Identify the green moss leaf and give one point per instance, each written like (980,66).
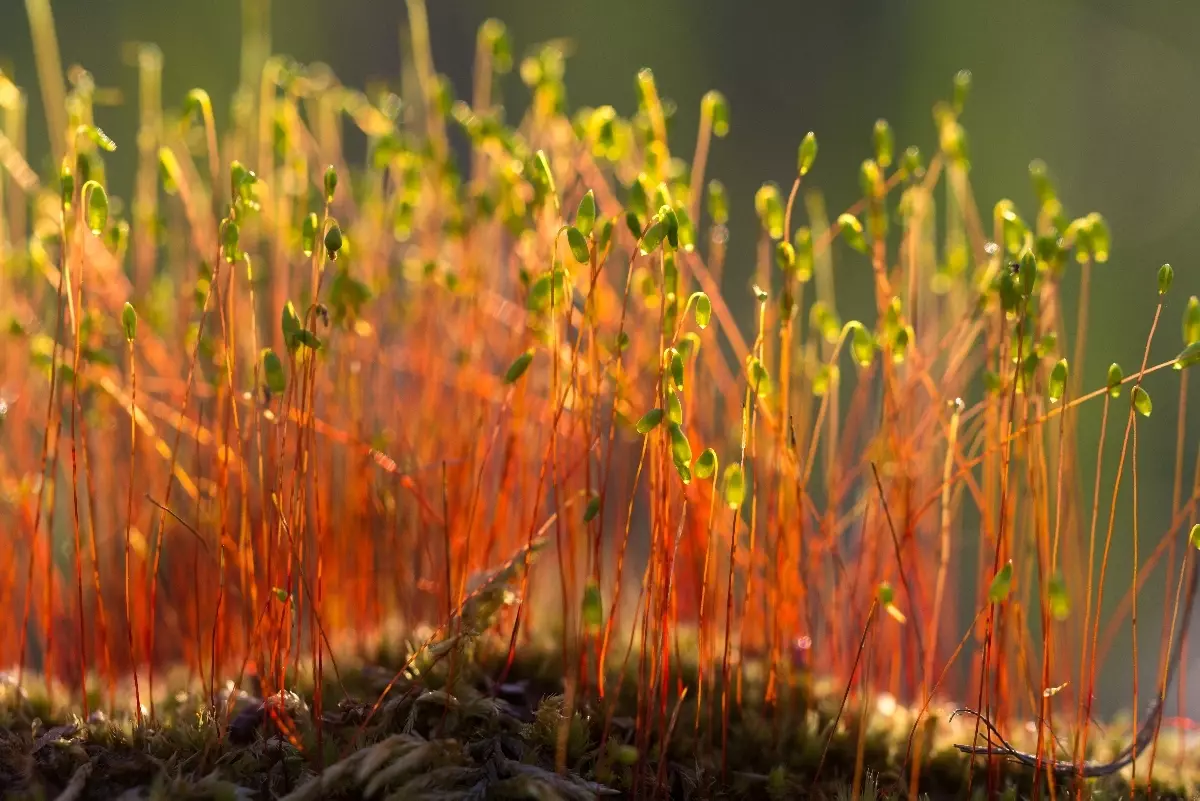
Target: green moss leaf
(1189,357)
(886,594)
(1058,381)
(718,203)
(675,367)
(735,486)
(290,325)
(1191,321)
(1060,604)
(806,154)
(330,183)
(1141,402)
(803,244)
(769,205)
(681,452)
(273,374)
(518,367)
(757,375)
(585,215)
(674,408)
(862,345)
(703,309)
(1099,237)
(333,241)
(715,107)
(1001,584)
(593,508)
(579,245)
(308,234)
(229,240)
(97,207)
(649,421)
(885,143)
(545,176)
(308,339)
(593,607)
(653,237)
(852,231)
(1166,276)
(1115,377)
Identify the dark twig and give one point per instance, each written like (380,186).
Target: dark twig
(184,523)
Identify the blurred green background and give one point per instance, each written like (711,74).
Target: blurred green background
(1103,91)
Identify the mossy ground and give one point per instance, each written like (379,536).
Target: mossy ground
(453,731)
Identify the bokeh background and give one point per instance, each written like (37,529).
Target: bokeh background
(1103,91)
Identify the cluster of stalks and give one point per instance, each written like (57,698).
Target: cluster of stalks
(283,401)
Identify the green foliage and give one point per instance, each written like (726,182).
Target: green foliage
(1141,401)
(578,245)
(273,374)
(1001,584)
(585,216)
(649,421)
(593,607)
(681,452)
(785,256)
(675,367)
(129,321)
(862,344)
(96,203)
(330,183)
(885,143)
(885,594)
(1166,276)
(518,367)
(702,308)
(714,106)
(653,236)
(308,234)
(1115,377)
(230,234)
(290,325)
(718,203)
(735,486)
(333,241)
(1058,381)
(593,508)
(1060,606)
(1189,357)
(852,232)
(544,177)
(1191,321)
(706,464)
(962,86)
(807,154)
(769,205)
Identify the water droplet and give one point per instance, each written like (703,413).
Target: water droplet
(991,248)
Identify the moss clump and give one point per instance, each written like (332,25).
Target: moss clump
(456,731)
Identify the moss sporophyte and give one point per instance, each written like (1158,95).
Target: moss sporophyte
(443,469)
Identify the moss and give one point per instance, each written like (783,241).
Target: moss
(438,736)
